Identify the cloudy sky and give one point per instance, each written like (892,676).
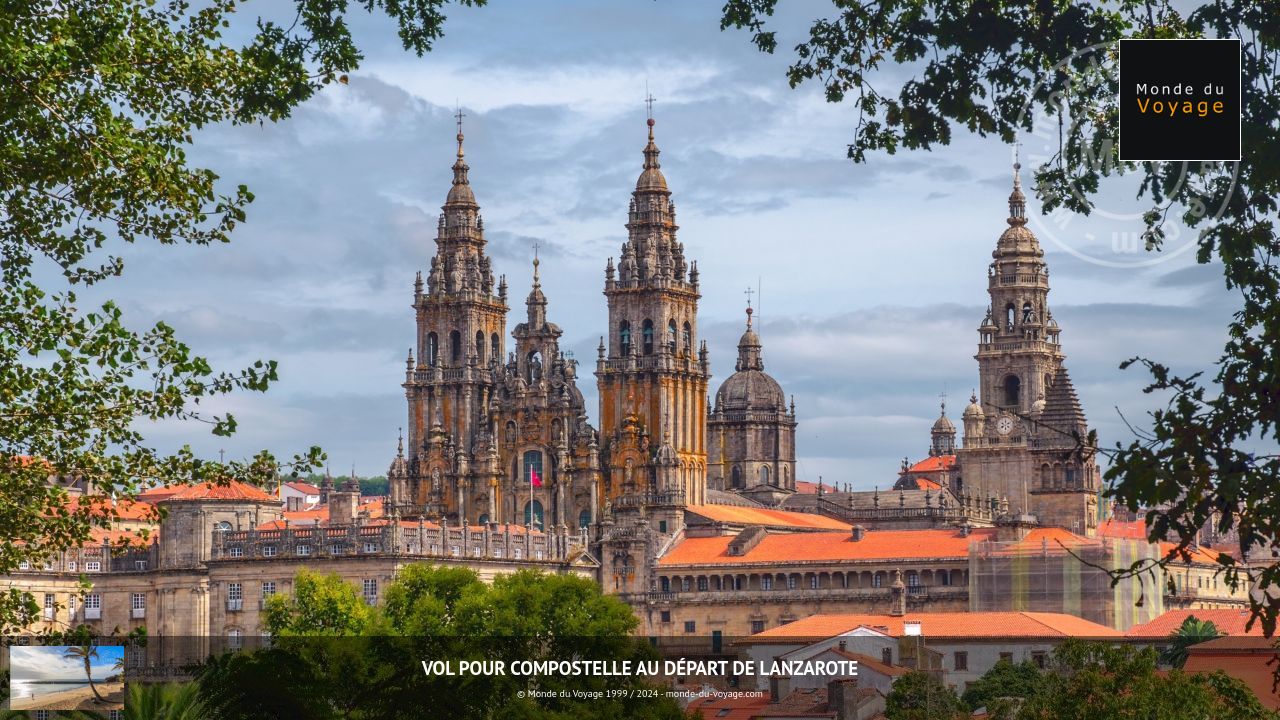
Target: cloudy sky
(48,663)
(873,276)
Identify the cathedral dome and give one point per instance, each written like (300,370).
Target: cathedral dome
(750,388)
(460,193)
(943,424)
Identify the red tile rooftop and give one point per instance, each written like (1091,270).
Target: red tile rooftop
(958,625)
(1230,621)
(934,464)
(234,490)
(737,515)
(828,546)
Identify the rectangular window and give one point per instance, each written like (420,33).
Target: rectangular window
(115,715)
(24,565)
(497,552)
(335,549)
(962,661)
(71,566)
(236,552)
(766,582)
(268,551)
(666,616)
(1006,656)
(702,584)
(690,626)
(813,582)
(1038,658)
(517,553)
(268,588)
(304,550)
(757,626)
(235,597)
(139,564)
(886,656)
(138,605)
(476,551)
(93,566)
(371,547)
(791,582)
(455,551)
(71,605)
(371,591)
(50,609)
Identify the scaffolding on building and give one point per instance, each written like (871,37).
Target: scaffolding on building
(1072,577)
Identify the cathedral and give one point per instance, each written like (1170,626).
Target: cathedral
(501,435)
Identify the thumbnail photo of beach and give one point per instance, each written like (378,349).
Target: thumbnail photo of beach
(66,677)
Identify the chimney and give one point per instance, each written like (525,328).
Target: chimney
(848,703)
(858,532)
(293,503)
(779,688)
(843,644)
(343,505)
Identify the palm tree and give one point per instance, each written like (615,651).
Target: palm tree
(88,654)
(164,701)
(1192,632)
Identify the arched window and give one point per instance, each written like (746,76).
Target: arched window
(913,579)
(686,338)
(764,474)
(1070,478)
(1027,313)
(584,518)
(736,480)
(1009,316)
(671,335)
(878,580)
(455,347)
(531,471)
(648,337)
(536,521)
(786,476)
(433,349)
(480,347)
(664,582)
(495,348)
(223,526)
(1012,390)
(484,519)
(624,337)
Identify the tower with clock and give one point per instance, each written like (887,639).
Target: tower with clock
(1025,435)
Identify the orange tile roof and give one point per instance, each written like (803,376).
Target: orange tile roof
(1130,529)
(737,515)
(828,546)
(99,506)
(924,483)
(304,488)
(729,708)
(1231,621)
(234,490)
(161,492)
(1246,659)
(1194,553)
(934,464)
(871,663)
(958,625)
(118,538)
(806,488)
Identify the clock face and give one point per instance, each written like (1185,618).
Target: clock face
(1004,425)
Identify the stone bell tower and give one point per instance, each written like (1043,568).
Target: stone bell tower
(652,376)
(1025,436)
(461,321)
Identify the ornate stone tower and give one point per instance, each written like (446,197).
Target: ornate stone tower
(1026,421)
(653,376)
(751,435)
(540,427)
(942,437)
(460,324)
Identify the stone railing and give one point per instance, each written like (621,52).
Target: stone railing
(783,594)
(491,543)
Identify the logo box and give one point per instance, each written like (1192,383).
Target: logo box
(1180,100)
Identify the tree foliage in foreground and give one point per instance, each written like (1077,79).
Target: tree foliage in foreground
(333,656)
(100,101)
(1192,632)
(920,695)
(1094,681)
(1211,454)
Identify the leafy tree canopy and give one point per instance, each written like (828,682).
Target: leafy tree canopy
(920,695)
(100,100)
(1208,455)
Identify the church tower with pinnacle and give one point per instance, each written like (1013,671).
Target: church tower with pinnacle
(1026,439)
(652,374)
(461,320)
